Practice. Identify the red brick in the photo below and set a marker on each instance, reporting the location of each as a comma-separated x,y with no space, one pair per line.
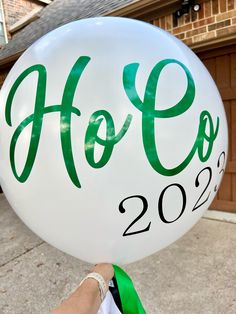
188,41
207,8
180,21
169,21
187,18
194,15
219,25
207,21
182,29
3,76
201,13
15,10
226,31
215,7
230,4
156,23
204,37
180,36
163,23
226,15
196,31
222,5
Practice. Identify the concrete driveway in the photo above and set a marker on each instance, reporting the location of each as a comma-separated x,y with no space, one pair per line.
195,275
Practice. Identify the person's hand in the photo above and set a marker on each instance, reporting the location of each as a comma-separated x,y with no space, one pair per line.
86,298
105,270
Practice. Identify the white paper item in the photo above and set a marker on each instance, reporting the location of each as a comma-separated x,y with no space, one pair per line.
108,305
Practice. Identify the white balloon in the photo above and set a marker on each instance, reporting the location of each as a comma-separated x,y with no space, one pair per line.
113,138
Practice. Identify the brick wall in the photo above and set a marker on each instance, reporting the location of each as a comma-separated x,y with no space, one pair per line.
3,75
216,19
14,10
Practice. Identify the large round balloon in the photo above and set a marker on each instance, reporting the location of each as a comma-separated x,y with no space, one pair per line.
113,139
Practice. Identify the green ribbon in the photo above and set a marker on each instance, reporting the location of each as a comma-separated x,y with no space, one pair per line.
130,301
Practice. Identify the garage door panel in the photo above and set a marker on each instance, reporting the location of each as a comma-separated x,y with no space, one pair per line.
233,130
223,206
227,106
231,166
223,71
225,192
228,93
221,63
234,187
233,70
211,67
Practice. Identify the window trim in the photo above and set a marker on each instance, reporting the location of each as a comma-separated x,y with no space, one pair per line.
4,23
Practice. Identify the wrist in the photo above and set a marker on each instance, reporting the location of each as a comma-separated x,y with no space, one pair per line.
105,270
97,280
